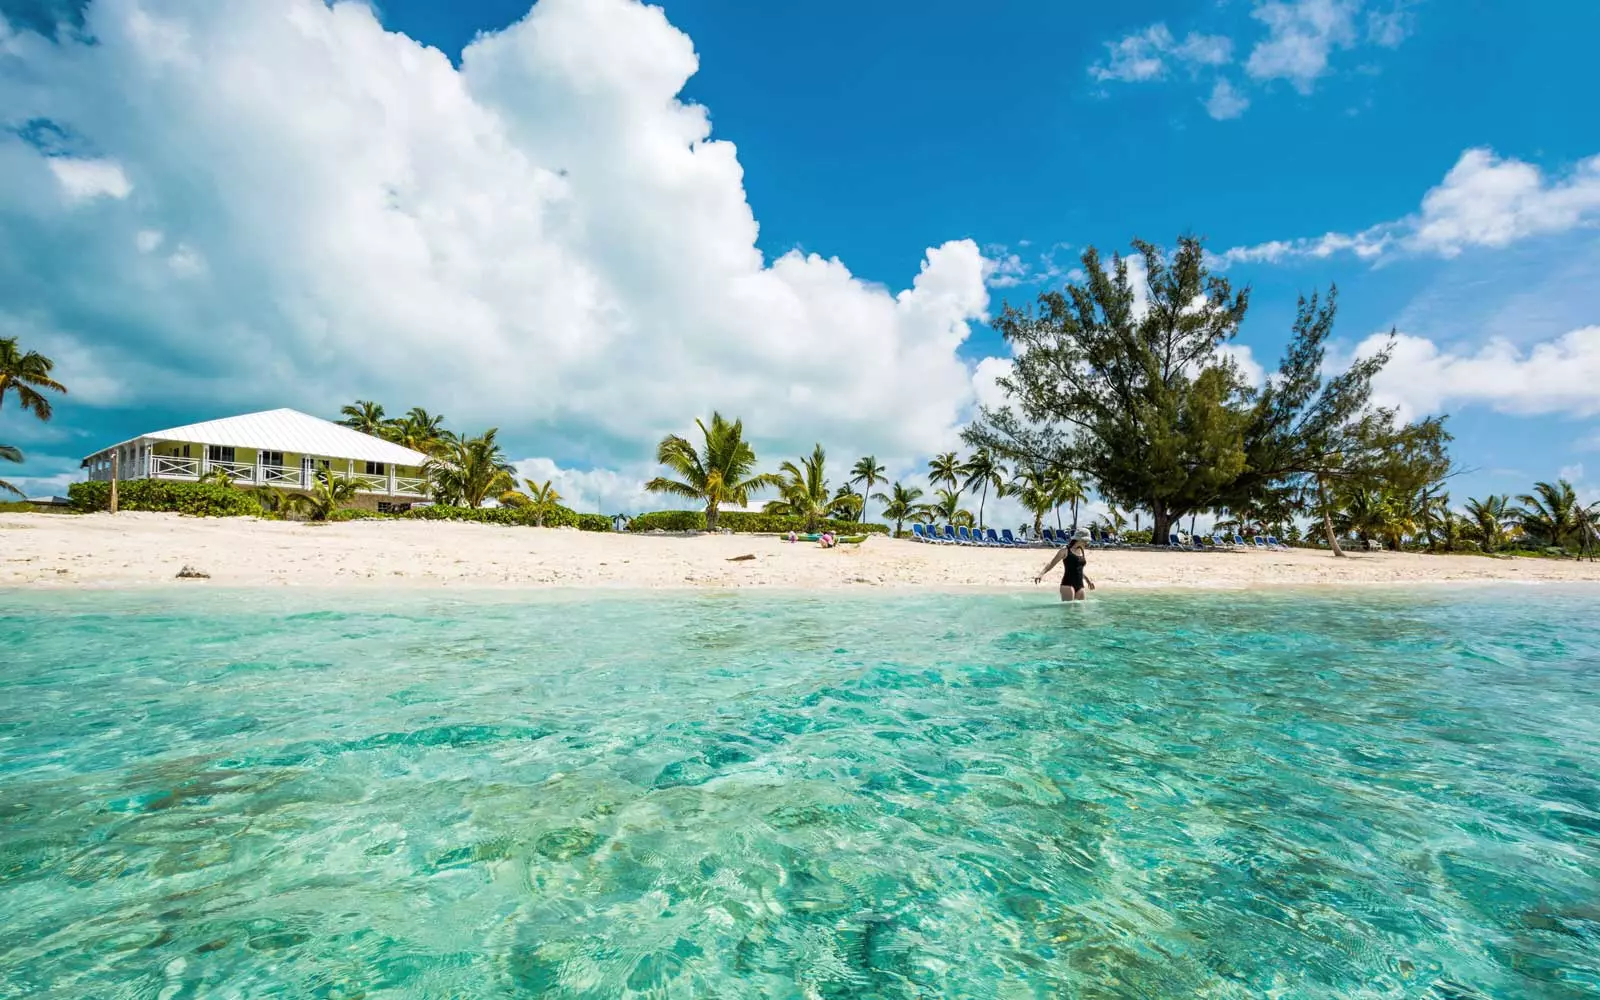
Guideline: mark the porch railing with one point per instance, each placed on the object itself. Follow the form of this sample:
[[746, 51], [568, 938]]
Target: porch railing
[[282, 476]]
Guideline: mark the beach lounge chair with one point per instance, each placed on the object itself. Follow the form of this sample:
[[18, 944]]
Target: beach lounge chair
[[1220, 542], [1273, 543], [1197, 543], [1007, 538], [1261, 543], [1239, 542], [1173, 541], [992, 537], [916, 533], [957, 535]]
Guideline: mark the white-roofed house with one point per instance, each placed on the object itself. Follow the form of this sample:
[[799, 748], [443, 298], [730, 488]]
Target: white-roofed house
[[282, 449]]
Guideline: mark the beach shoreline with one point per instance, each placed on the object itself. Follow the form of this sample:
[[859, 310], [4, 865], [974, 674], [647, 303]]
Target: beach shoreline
[[141, 550]]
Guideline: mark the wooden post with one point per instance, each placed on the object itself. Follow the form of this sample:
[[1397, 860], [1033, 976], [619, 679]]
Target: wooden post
[[114, 470]]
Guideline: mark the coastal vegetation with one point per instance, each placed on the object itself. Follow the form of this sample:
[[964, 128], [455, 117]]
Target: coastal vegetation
[[24, 375], [1120, 390], [721, 472]]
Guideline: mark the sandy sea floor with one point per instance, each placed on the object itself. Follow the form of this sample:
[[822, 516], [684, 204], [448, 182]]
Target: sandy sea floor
[[137, 549]]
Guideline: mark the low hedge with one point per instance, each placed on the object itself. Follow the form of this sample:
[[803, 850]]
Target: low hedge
[[742, 522], [196, 499], [554, 517]]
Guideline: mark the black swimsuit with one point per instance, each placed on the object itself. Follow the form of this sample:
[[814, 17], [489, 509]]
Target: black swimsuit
[[1073, 576]]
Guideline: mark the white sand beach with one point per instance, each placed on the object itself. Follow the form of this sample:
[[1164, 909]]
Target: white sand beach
[[142, 549]]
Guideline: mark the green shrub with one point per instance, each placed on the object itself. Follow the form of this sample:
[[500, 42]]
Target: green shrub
[[741, 522], [357, 514], [197, 499], [554, 517], [1141, 537]]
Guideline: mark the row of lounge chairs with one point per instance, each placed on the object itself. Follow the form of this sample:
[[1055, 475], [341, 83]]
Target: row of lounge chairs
[[962, 535], [1225, 543]]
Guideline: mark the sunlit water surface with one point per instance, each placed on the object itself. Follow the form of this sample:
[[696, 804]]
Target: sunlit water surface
[[1362, 794]]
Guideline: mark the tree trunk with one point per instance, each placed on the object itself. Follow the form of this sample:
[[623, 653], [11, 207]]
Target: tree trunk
[[982, 499], [1074, 519], [711, 517], [1038, 523], [1160, 524], [1327, 519]]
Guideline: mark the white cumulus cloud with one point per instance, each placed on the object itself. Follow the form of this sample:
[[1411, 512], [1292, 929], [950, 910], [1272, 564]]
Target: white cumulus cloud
[[1145, 55], [1558, 376], [548, 237], [1484, 201], [1301, 34], [86, 180], [1226, 102]]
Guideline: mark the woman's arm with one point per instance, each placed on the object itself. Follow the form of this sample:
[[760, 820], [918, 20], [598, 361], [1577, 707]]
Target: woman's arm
[[1060, 554]]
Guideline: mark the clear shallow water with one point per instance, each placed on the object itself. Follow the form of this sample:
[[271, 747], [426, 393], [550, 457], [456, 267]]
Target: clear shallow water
[[214, 794]]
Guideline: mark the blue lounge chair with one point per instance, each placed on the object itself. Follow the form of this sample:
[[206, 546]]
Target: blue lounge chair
[[991, 537], [1197, 542], [1173, 541], [1051, 539], [1261, 543], [1238, 541], [1219, 542], [1272, 540], [1007, 538], [957, 535], [916, 533]]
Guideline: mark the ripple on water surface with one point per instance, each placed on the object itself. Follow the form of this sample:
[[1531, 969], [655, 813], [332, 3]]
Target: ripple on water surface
[[1308, 795]]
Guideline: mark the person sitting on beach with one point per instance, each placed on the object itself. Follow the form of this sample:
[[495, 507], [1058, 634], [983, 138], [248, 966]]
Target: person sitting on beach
[[793, 536], [1072, 580], [828, 541]]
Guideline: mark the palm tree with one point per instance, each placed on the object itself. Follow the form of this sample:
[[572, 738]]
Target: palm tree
[[1492, 520], [541, 498], [900, 505], [1033, 490], [469, 470], [1449, 530], [419, 430], [1362, 513], [327, 496], [365, 416], [1552, 513], [950, 510], [803, 491], [849, 504], [982, 470], [945, 468], [1066, 489], [9, 454], [722, 473], [25, 375], [867, 473]]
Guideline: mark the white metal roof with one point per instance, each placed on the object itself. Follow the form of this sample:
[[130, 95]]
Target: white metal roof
[[291, 431]]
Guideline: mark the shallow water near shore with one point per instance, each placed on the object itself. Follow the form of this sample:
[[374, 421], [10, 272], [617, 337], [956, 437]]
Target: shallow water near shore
[[339, 795]]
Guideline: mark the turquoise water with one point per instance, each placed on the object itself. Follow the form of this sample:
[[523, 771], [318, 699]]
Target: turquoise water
[[231, 795]]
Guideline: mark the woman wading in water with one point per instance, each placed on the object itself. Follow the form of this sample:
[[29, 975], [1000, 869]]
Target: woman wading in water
[[1073, 580]]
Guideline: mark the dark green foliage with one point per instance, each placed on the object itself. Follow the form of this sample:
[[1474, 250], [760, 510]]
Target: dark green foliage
[[357, 514], [743, 523], [197, 499], [555, 516], [1149, 408], [1142, 403]]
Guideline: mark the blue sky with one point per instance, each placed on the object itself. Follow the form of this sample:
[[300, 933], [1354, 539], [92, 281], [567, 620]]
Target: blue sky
[[292, 207]]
